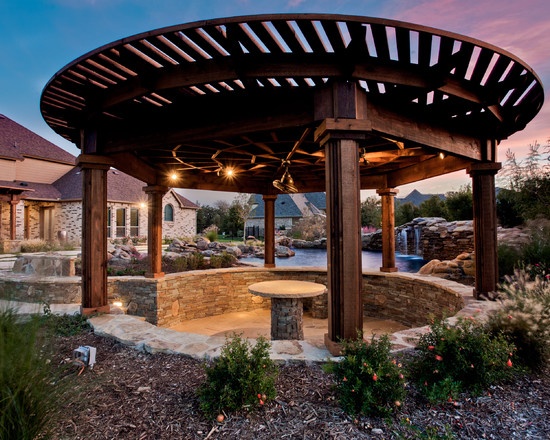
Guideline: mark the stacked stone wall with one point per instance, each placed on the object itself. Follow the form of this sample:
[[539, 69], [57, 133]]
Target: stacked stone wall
[[175, 298], [446, 241], [409, 300], [48, 290]]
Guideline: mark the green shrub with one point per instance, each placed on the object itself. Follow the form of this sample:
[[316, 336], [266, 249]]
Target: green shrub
[[212, 235], [462, 357], [242, 377], [368, 380], [509, 259], [524, 317], [536, 253], [30, 393], [224, 259], [65, 325]]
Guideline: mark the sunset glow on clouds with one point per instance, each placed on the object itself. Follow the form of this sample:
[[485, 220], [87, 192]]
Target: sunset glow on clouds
[[39, 37]]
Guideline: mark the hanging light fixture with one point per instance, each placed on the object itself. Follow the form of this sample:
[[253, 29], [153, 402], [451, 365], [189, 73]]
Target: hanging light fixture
[[286, 183]]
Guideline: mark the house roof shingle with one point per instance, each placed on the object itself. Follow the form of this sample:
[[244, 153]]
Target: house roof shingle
[[17, 142], [284, 206], [121, 187]]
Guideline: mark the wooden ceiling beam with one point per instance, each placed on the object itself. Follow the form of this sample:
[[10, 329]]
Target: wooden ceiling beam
[[389, 123], [135, 167], [154, 135], [425, 170]]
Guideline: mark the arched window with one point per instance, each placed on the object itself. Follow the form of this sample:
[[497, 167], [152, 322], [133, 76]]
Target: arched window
[[168, 213]]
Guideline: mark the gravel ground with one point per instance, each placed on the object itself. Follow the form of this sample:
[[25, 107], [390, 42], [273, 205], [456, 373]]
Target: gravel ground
[[135, 395]]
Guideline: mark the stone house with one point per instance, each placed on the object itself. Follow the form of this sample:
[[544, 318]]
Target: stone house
[[41, 195], [289, 209]]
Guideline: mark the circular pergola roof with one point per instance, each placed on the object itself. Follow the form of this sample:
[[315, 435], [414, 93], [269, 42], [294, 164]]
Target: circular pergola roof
[[247, 93]]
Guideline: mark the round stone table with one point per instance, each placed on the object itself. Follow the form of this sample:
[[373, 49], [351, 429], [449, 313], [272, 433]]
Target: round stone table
[[286, 305]]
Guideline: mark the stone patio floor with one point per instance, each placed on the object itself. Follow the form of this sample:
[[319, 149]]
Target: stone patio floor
[[203, 338]]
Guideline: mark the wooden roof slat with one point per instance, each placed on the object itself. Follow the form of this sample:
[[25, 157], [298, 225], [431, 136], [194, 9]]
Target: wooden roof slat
[[445, 54], [178, 40], [107, 70], [424, 49], [114, 63], [239, 38], [98, 75], [403, 42], [219, 35], [267, 37], [483, 61], [289, 36], [380, 41], [130, 60], [497, 71], [521, 83], [143, 53], [334, 36], [209, 47], [462, 59], [312, 36]]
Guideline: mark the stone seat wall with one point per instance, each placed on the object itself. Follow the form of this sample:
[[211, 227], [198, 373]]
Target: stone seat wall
[[49, 265], [408, 298]]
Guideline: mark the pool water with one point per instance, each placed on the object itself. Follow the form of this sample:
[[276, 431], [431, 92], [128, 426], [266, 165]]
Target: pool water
[[318, 258]]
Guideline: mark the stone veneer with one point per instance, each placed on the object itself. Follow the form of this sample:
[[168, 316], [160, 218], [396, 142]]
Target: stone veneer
[[408, 298], [67, 216]]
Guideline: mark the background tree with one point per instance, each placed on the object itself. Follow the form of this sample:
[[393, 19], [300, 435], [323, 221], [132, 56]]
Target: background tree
[[433, 207], [459, 205], [371, 212], [207, 216], [405, 212], [508, 213], [528, 185], [237, 215]]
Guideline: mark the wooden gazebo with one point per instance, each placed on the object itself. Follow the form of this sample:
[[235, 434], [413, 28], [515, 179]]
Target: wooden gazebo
[[342, 103]]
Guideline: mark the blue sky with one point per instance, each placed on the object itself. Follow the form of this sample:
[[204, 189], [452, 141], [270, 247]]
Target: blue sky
[[38, 38]]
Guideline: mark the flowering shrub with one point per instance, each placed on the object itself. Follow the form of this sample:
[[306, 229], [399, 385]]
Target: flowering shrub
[[462, 357], [524, 318], [243, 376], [368, 380]]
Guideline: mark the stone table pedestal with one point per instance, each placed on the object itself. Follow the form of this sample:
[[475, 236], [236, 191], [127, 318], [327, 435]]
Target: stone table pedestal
[[286, 305]]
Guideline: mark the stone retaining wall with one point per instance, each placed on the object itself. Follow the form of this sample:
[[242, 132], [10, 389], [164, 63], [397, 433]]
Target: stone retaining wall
[[411, 299], [408, 298], [50, 290]]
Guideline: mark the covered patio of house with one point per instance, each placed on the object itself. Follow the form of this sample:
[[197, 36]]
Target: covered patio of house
[[304, 102]]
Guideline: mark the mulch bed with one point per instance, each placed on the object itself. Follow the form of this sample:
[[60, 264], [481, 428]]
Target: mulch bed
[[135, 395]]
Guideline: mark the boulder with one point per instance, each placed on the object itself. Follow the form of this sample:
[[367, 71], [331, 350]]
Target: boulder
[[284, 251]]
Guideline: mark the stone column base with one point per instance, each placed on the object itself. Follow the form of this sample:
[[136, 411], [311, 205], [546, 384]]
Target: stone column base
[[287, 318]]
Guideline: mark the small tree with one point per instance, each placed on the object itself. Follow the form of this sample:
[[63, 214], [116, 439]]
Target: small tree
[[459, 204], [371, 212], [405, 212], [528, 182], [433, 207]]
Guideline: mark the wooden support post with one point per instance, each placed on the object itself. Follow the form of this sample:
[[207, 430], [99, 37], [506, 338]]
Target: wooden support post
[[343, 242], [388, 229], [269, 229], [154, 236], [341, 106], [485, 228], [94, 239]]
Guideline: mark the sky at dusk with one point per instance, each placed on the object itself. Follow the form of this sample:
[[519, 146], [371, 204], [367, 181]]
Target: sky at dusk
[[40, 37]]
